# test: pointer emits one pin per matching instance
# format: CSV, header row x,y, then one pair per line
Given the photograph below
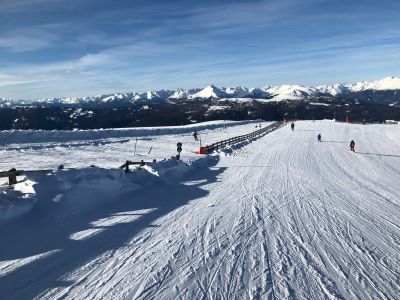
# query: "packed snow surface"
x,y
278,217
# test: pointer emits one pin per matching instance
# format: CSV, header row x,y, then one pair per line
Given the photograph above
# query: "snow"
x,y
319,104
278,217
157,95
290,92
237,92
333,90
387,83
218,107
180,94
210,91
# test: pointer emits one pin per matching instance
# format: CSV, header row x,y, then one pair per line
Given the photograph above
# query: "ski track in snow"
x,y
284,217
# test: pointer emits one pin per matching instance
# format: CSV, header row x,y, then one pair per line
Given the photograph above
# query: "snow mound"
x,y
17,201
74,191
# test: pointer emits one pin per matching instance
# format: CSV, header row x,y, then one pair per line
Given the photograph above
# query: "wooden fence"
x,y
240,138
134,163
13,173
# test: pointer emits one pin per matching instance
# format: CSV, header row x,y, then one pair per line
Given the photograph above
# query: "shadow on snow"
x,y
40,231
378,154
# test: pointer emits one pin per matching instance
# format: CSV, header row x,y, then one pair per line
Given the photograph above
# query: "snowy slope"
x,y
282,217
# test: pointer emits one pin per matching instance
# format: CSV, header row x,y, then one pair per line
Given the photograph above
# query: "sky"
x,y
76,48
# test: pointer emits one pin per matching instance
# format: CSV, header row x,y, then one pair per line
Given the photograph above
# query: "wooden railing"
x,y
13,173
240,138
134,163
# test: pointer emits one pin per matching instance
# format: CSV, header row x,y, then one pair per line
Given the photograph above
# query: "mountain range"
x,y
375,101
267,93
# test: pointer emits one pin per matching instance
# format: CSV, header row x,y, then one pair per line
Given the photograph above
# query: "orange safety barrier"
x,y
202,150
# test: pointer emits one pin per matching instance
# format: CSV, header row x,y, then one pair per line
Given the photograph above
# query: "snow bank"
x,y
73,191
14,202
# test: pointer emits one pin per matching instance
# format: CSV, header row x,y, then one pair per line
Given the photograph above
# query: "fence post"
x,y
12,179
134,151
127,166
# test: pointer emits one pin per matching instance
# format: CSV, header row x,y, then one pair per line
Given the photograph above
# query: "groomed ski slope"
x,y
283,217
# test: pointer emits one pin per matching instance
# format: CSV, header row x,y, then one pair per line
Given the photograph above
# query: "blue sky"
x,y
80,48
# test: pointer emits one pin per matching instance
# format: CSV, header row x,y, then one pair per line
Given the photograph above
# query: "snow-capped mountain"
x,y
237,92
157,95
270,93
387,83
333,90
258,93
210,92
290,92
183,94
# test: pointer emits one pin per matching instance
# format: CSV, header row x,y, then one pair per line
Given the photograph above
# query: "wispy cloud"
x,y
7,80
31,38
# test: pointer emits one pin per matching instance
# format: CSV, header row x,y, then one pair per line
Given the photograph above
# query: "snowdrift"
x,y
17,201
72,191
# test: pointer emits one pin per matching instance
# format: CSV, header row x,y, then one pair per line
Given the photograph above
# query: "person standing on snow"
x,y
352,146
319,137
292,126
195,135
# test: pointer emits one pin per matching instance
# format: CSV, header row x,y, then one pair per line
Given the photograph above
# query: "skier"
x,y
319,137
195,135
352,145
292,126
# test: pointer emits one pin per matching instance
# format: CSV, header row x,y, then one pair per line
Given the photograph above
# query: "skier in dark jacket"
x,y
319,137
195,135
352,145
292,126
